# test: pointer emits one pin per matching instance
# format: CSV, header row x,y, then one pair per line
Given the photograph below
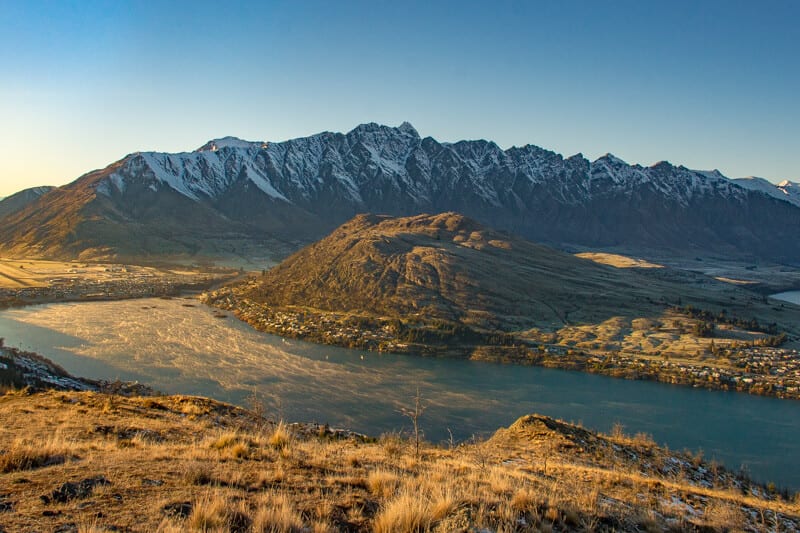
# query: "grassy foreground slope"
x,y
72,461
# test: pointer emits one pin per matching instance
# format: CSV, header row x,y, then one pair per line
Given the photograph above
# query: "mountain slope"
x,y
17,201
78,221
448,267
785,190
257,194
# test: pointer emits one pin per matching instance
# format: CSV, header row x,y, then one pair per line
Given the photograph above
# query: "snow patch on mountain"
x,y
264,184
785,190
230,142
374,163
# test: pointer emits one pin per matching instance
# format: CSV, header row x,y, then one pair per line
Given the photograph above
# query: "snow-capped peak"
x,y
785,190
377,161
230,142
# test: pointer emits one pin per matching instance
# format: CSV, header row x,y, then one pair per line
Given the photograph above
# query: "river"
x,y
179,346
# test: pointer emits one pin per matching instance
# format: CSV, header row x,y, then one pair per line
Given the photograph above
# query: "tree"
x,y
414,415
704,329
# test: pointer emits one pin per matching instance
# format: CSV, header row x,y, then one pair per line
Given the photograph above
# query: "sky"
x,y
709,84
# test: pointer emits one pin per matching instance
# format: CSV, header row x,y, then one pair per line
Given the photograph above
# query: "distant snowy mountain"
x,y
785,190
231,190
400,163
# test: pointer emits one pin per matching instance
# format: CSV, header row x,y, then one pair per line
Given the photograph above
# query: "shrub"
x,y
28,457
280,437
382,483
275,514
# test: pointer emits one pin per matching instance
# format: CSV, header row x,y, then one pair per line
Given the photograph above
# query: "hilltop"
x,y
451,268
86,461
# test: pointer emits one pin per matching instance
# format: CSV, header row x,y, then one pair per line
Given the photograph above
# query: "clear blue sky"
x,y
707,84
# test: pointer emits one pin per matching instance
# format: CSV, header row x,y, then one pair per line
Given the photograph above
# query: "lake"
x,y
788,296
179,346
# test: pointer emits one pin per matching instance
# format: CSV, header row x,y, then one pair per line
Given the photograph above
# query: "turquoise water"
x,y
178,346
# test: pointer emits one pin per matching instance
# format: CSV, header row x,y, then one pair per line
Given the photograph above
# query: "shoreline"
x,y
383,335
84,291
110,390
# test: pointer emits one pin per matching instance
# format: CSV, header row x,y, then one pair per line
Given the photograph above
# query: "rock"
x,y
70,491
177,509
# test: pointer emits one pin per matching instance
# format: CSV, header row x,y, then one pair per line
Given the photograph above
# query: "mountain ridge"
x,y
263,194
19,200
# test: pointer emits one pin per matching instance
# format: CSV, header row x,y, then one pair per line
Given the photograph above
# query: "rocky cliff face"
x,y
298,190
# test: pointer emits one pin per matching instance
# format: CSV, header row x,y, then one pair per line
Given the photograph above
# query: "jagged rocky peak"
x,y
611,159
230,142
373,128
325,179
408,129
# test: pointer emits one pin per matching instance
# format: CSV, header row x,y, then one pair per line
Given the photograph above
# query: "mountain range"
x,y
267,199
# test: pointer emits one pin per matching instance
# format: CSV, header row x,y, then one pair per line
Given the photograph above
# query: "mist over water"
x,y
179,346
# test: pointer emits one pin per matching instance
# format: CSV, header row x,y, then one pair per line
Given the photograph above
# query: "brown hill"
x,y
449,267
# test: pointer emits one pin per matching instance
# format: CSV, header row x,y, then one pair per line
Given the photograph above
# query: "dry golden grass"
x,y
210,512
24,455
23,273
276,514
280,437
415,509
289,479
616,260
382,482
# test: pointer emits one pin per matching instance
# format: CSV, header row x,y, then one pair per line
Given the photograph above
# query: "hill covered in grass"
x,y
86,461
451,268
